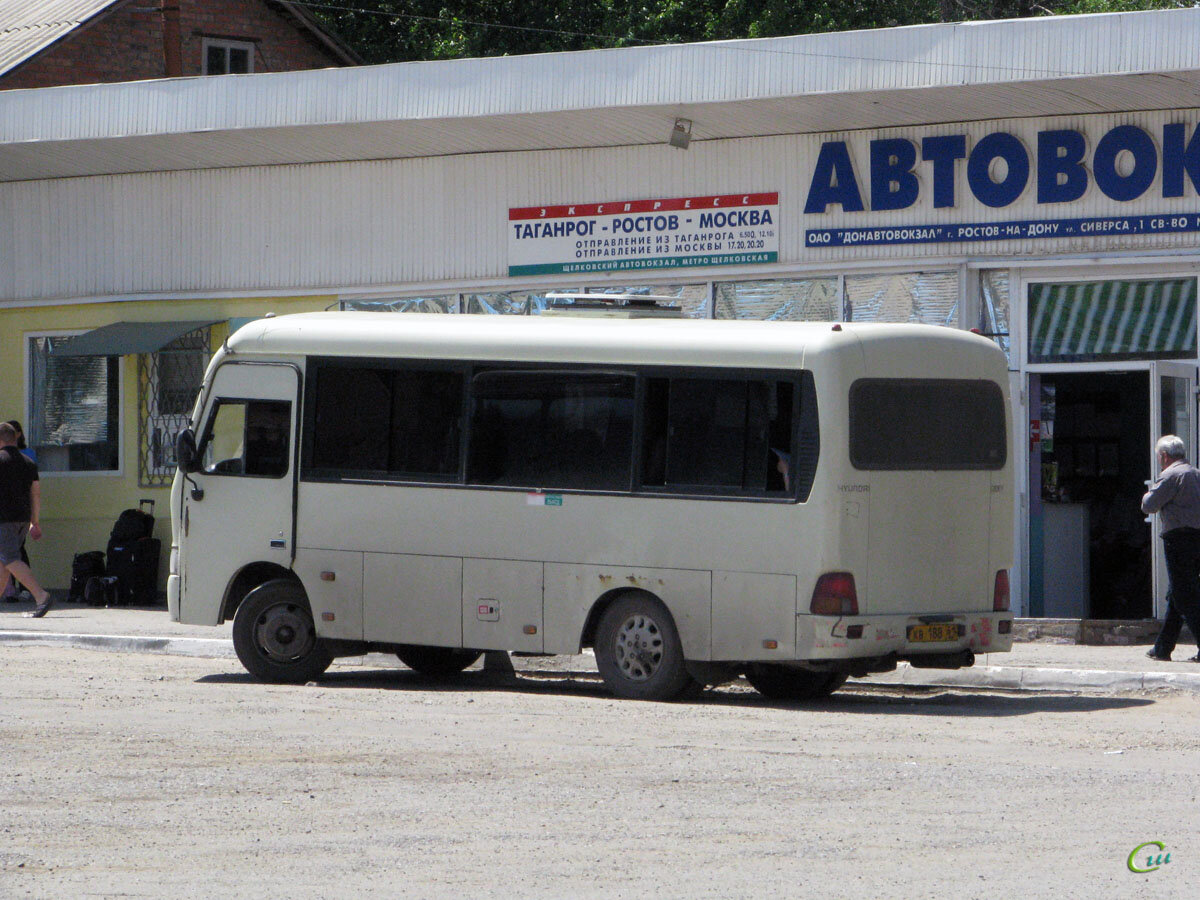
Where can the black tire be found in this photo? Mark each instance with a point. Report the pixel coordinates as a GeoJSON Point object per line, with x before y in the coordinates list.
{"type": "Point", "coordinates": [436, 662]}
{"type": "Point", "coordinates": [638, 650]}
{"type": "Point", "coordinates": [777, 682]}
{"type": "Point", "coordinates": [274, 635]}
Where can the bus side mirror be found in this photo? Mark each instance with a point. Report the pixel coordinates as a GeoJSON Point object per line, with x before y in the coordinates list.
{"type": "Point", "coordinates": [185, 451]}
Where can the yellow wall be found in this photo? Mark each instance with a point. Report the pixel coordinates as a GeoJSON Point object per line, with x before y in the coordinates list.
{"type": "Point", "coordinates": [78, 510]}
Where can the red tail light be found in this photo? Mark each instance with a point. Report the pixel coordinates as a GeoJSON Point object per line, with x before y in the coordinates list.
{"type": "Point", "coordinates": [1000, 593]}
{"type": "Point", "coordinates": [835, 595]}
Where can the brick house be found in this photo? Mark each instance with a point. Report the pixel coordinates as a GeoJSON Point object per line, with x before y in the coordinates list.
{"type": "Point", "coordinates": [44, 43]}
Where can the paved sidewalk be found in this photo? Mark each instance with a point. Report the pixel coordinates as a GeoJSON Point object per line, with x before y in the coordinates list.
{"type": "Point", "coordinates": [1030, 666]}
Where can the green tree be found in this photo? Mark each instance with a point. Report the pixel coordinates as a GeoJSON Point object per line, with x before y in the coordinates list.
{"type": "Point", "coordinates": [393, 31]}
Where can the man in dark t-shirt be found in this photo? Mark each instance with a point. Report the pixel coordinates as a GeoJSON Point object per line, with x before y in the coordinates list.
{"type": "Point", "coordinates": [20, 508]}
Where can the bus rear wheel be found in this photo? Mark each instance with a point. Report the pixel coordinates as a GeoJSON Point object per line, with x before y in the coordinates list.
{"type": "Point", "coordinates": [777, 682]}
{"type": "Point", "coordinates": [436, 662]}
{"type": "Point", "coordinates": [274, 635]}
{"type": "Point", "coordinates": [638, 650]}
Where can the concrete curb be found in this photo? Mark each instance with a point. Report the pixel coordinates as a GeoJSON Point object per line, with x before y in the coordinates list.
{"type": "Point", "coordinates": [214, 648]}
{"type": "Point", "coordinates": [1019, 678]}
{"type": "Point", "coordinates": [1002, 677]}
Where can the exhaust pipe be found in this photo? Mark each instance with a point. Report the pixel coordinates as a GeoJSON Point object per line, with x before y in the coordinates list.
{"type": "Point", "coordinates": [961, 660]}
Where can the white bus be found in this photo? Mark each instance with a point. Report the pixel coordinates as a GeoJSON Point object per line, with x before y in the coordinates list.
{"type": "Point", "coordinates": [797, 502]}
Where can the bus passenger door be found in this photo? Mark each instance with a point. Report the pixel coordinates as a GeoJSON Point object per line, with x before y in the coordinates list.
{"type": "Point", "coordinates": [240, 509]}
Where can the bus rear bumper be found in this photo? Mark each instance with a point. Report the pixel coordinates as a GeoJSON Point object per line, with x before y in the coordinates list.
{"type": "Point", "coordinates": [928, 641]}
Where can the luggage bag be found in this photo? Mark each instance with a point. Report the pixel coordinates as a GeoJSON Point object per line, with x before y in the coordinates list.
{"type": "Point", "coordinates": [133, 556]}
{"type": "Point", "coordinates": [100, 590]}
{"type": "Point", "coordinates": [84, 566]}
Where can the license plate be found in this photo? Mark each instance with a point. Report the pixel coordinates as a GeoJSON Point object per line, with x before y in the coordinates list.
{"type": "Point", "coordinates": [932, 634]}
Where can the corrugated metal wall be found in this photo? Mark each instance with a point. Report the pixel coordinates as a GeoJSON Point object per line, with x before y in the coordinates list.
{"type": "Point", "coordinates": [407, 222]}
{"type": "Point", "coordinates": [984, 54]}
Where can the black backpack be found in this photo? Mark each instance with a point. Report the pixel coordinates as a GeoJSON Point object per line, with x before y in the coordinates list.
{"type": "Point", "coordinates": [84, 566]}
{"type": "Point", "coordinates": [132, 525]}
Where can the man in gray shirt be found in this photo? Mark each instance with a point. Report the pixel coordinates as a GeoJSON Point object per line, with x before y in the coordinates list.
{"type": "Point", "coordinates": [1175, 496]}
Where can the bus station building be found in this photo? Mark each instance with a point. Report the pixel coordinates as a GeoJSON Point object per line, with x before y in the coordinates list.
{"type": "Point", "coordinates": [1037, 180]}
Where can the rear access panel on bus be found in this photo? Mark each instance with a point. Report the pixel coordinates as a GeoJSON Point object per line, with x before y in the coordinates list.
{"type": "Point", "coordinates": [753, 616]}
{"type": "Point", "coordinates": [410, 599]}
{"type": "Point", "coordinates": [502, 605]}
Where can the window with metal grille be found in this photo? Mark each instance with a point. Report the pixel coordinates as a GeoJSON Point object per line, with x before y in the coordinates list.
{"type": "Point", "coordinates": [167, 384]}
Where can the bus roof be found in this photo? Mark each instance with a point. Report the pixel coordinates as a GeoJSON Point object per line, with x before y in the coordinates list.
{"type": "Point", "coordinates": [690, 342]}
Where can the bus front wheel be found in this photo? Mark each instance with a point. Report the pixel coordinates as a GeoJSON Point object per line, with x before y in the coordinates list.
{"type": "Point", "coordinates": [436, 662]}
{"type": "Point", "coordinates": [638, 650]}
{"type": "Point", "coordinates": [777, 682]}
{"type": "Point", "coordinates": [274, 635]}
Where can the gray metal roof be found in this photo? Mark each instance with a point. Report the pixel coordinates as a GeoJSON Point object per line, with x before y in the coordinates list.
{"type": "Point", "coordinates": [30, 26]}
{"type": "Point", "coordinates": [1048, 66]}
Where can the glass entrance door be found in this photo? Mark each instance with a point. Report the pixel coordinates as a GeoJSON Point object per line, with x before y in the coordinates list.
{"type": "Point", "coordinates": [1173, 411]}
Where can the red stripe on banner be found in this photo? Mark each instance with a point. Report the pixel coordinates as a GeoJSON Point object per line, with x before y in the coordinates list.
{"type": "Point", "coordinates": [627, 207]}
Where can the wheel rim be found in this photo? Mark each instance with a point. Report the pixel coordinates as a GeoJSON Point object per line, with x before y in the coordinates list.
{"type": "Point", "coordinates": [638, 648]}
{"type": "Point", "coordinates": [284, 633]}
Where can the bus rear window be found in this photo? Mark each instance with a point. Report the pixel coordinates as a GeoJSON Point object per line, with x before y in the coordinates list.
{"type": "Point", "coordinates": [930, 424]}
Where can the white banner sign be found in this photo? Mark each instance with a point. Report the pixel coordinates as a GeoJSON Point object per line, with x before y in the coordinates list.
{"type": "Point", "coordinates": [668, 233]}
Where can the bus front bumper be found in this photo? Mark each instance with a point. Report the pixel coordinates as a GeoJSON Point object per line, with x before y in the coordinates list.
{"type": "Point", "coordinates": [936, 640]}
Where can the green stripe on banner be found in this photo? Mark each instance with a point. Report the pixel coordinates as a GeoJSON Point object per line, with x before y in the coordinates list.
{"type": "Point", "coordinates": [1089, 320]}
{"type": "Point", "coordinates": [661, 262]}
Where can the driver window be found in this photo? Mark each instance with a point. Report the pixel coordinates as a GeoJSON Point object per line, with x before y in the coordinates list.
{"type": "Point", "coordinates": [248, 437]}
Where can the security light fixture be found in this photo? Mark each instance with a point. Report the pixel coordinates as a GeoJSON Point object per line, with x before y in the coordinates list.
{"type": "Point", "coordinates": [681, 134]}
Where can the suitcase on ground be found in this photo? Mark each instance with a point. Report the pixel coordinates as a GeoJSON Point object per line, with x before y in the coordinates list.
{"type": "Point", "coordinates": [84, 566]}
{"type": "Point", "coordinates": [135, 567]}
{"type": "Point", "coordinates": [132, 556]}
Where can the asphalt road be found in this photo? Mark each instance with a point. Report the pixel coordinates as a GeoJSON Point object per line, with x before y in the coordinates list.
{"type": "Point", "coordinates": [132, 775]}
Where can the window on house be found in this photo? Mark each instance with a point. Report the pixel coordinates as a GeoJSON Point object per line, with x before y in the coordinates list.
{"type": "Point", "coordinates": [74, 408]}
{"type": "Point", "coordinates": [167, 385]}
{"type": "Point", "coordinates": [228, 57]}
{"type": "Point", "coordinates": [795, 300]}
{"type": "Point", "coordinates": [927, 297]}
{"type": "Point", "coordinates": [994, 305]}
{"type": "Point", "coordinates": [447, 303]}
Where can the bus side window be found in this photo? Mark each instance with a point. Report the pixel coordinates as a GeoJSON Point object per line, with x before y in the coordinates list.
{"type": "Point", "coordinates": [552, 429]}
{"type": "Point", "coordinates": [704, 434]}
{"type": "Point", "coordinates": [248, 437]}
{"type": "Point", "coordinates": [268, 429]}
{"type": "Point", "coordinates": [779, 437]}
{"type": "Point", "coordinates": [385, 421]}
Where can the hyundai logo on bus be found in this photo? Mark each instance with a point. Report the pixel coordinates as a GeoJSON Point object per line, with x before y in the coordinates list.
{"type": "Point", "coordinates": [1123, 165]}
